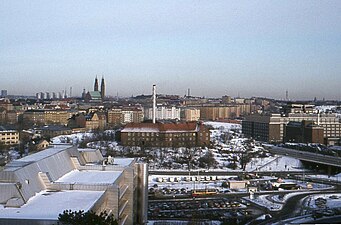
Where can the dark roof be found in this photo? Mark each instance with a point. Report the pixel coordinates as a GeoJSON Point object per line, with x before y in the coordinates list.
{"type": "Point", "coordinates": [54, 128]}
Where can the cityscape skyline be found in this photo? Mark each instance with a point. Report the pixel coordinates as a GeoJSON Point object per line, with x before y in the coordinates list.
{"type": "Point", "coordinates": [260, 48]}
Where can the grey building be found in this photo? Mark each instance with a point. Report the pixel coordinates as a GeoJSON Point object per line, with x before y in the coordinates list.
{"type": "Point", "coordinates": [37, 188]}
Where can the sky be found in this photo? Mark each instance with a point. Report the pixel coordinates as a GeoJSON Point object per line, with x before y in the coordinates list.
{"type": "Point", "coordinates": [215, 48]}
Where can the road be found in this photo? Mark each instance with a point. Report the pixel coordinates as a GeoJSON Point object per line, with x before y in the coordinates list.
{"type": "Point", "coordinates": [307, 156]}
{"type": "Point", "coordinates": [224, 173]}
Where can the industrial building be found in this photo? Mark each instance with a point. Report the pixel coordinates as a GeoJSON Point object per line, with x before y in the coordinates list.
{"type": "Point", "coordinates": [37, 188]}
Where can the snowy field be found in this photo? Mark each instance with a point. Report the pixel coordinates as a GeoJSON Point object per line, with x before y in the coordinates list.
{"type": "Point", "coordinates": [229, 151]}
{"type": "Point", "coordinates": [229, 147]}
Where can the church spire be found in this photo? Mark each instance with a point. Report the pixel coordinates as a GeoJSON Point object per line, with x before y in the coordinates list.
{"type": "Point", "coordinates": [103, 88]}
{"type": "Point", "coordinates": [96, 84]}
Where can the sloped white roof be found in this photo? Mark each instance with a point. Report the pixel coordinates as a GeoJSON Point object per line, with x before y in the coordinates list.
{"type": "Point", "coordinates": [48, 205]}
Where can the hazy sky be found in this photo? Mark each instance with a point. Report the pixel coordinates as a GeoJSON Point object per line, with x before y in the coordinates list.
{"type": "Point", "coordinates": [255, 48]}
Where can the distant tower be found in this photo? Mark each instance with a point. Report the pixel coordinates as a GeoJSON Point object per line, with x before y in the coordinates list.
{"type": "Point", "coordinates": [102, 88]}
{"type": "Point", "coordinates": [84, 93]}
{"type": "Point", "coordinates": [286, 95]}
{"type": "Point", "coordinates": [96, 84]}
{"type": "Point", "coordinates": [154, 103]}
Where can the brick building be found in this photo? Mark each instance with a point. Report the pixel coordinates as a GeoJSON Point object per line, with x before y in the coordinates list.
{"type": "Point", "coordinates": [304, 132]}
{"type": "Point", "coordinates": [189, 134]}
{"type": "Point", "coordinates": [121, 116]}
{"type": "Point", "coordinates": [271, 128]}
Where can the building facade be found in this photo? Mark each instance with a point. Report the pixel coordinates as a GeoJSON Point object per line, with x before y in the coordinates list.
{"type": "Point", "coordinates": [304, 132]}
{"type": "Point", "coordinates": [122, 116]}
{"type": "Point", "coordinates": [163, 113]}
{"type": "Point", "coordinates": [190, 114]}
{"type": "Point", "coordinates": [41, 117]}
{"type": "Point", "coordinates": [8, 136]}
{"type": "Point", "coordinates": [189, 134]}
{"type": "Point", "coordinates": [271, 128]}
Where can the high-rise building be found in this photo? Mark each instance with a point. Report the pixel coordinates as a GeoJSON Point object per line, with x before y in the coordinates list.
{"type": "Point", "coordinates": [3, 93]}
{"type": "Point", "coordinates": [103, 88]}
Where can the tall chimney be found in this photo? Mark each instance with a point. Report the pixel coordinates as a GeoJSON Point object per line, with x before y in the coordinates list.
{"type": "Point", "coordinates": [154, 103]}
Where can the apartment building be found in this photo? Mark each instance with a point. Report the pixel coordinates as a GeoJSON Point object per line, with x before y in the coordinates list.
{"type": "Point", "coordinates": [224, 112]}
{"type": "Point", "coordinates": [163, 113]}
{"type": "Point", "coordinates": [36, 189]}
{"type": "Point", "coordinates": [37, 116]}
{"type": "Point", "coordinates": [9, 136]}
{"type": "Point", "coordinates": [190, 114]}
{"type": "Point", "coordinates": [121, 116]}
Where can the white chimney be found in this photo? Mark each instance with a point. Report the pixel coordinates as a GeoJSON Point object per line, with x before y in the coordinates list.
{"type": "Point", "coordinates": [154, 103]}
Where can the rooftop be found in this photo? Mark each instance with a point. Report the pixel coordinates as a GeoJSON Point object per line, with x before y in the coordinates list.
{"type": "Point", "coordinates": [161, 127]}
{"type": "Point", "coordinates": [90, 177]}
{"type": "Point", "coordinates": [36, 157]}
{"type": "Point", "coordinates": [40, 207]}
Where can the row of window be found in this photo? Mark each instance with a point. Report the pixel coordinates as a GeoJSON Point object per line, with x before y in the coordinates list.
{"type": "Point", "coordinates": [143, 134]}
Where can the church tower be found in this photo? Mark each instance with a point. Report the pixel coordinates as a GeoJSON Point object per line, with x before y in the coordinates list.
{"type": "Point", "coordinates": [96, 84]}
{"type": "Point", "coordinates": [102, 88]}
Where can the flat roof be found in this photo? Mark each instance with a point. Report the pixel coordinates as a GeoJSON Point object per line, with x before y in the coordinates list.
{"type": "Point", "coordinates": [48, 205]}
{"type": "Point", "coordinates": [123, 161]}
{"type": "Point", "coordinates": [90, 177]}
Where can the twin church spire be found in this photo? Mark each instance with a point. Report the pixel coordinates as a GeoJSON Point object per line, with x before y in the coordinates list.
{"type": "Point", "coordinates": [102, 86]}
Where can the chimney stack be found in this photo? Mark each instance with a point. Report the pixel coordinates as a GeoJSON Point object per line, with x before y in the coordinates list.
{"type": "Point", "coordinates": [154, 103]}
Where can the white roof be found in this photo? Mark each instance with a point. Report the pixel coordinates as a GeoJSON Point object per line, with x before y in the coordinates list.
{"type": "Point", "coordinates": [90, 177]}
{"type": "Point", "coordinates": [44, 154]}
{"type": "Point", "coordinates": [27, 160]}
{"type": "Point", "coordinates": [48, 205]}
{"type": "Point", "coordinates": [123, 161]}
{"type": "Point", "coordinates": [140, 129]}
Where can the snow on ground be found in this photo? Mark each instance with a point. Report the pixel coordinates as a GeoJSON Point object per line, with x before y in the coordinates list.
{"type": "Point", "coordinates": [72, 138]}
{"type": "Point", "coordinates": [325, 108]}
{"type": "Point", "coordinates": [282, 163]}
{"type": "Point", "coordinates": [223, 126]}
{"type": "Point", "coordinates": [332, 201]}
{"type": "Point", "coordinates": [188, 182]}
{"type": "Point", "coordinates": [336, 177]}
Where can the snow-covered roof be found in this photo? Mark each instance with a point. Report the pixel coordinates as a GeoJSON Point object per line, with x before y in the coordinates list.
{"type": "Point", "coordinates": [162, 127]}
{"type": "Point", "coordinates": [90, 177]}
{"type": "Point", "coordinates": [123, 161]}
{"type": "Point", "coordinates": [37, 156]}
{"type": "Point", "coordinates": [48, 205]}
{"type": "Point", "coordinates": [141, 129]}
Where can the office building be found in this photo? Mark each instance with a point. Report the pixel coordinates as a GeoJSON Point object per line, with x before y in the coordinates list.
{"type": "Point", "coordinates": [271, 128]}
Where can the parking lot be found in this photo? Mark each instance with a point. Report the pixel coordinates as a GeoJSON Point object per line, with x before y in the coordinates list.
{"type": "Point", "coordinates": [213, 208]}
